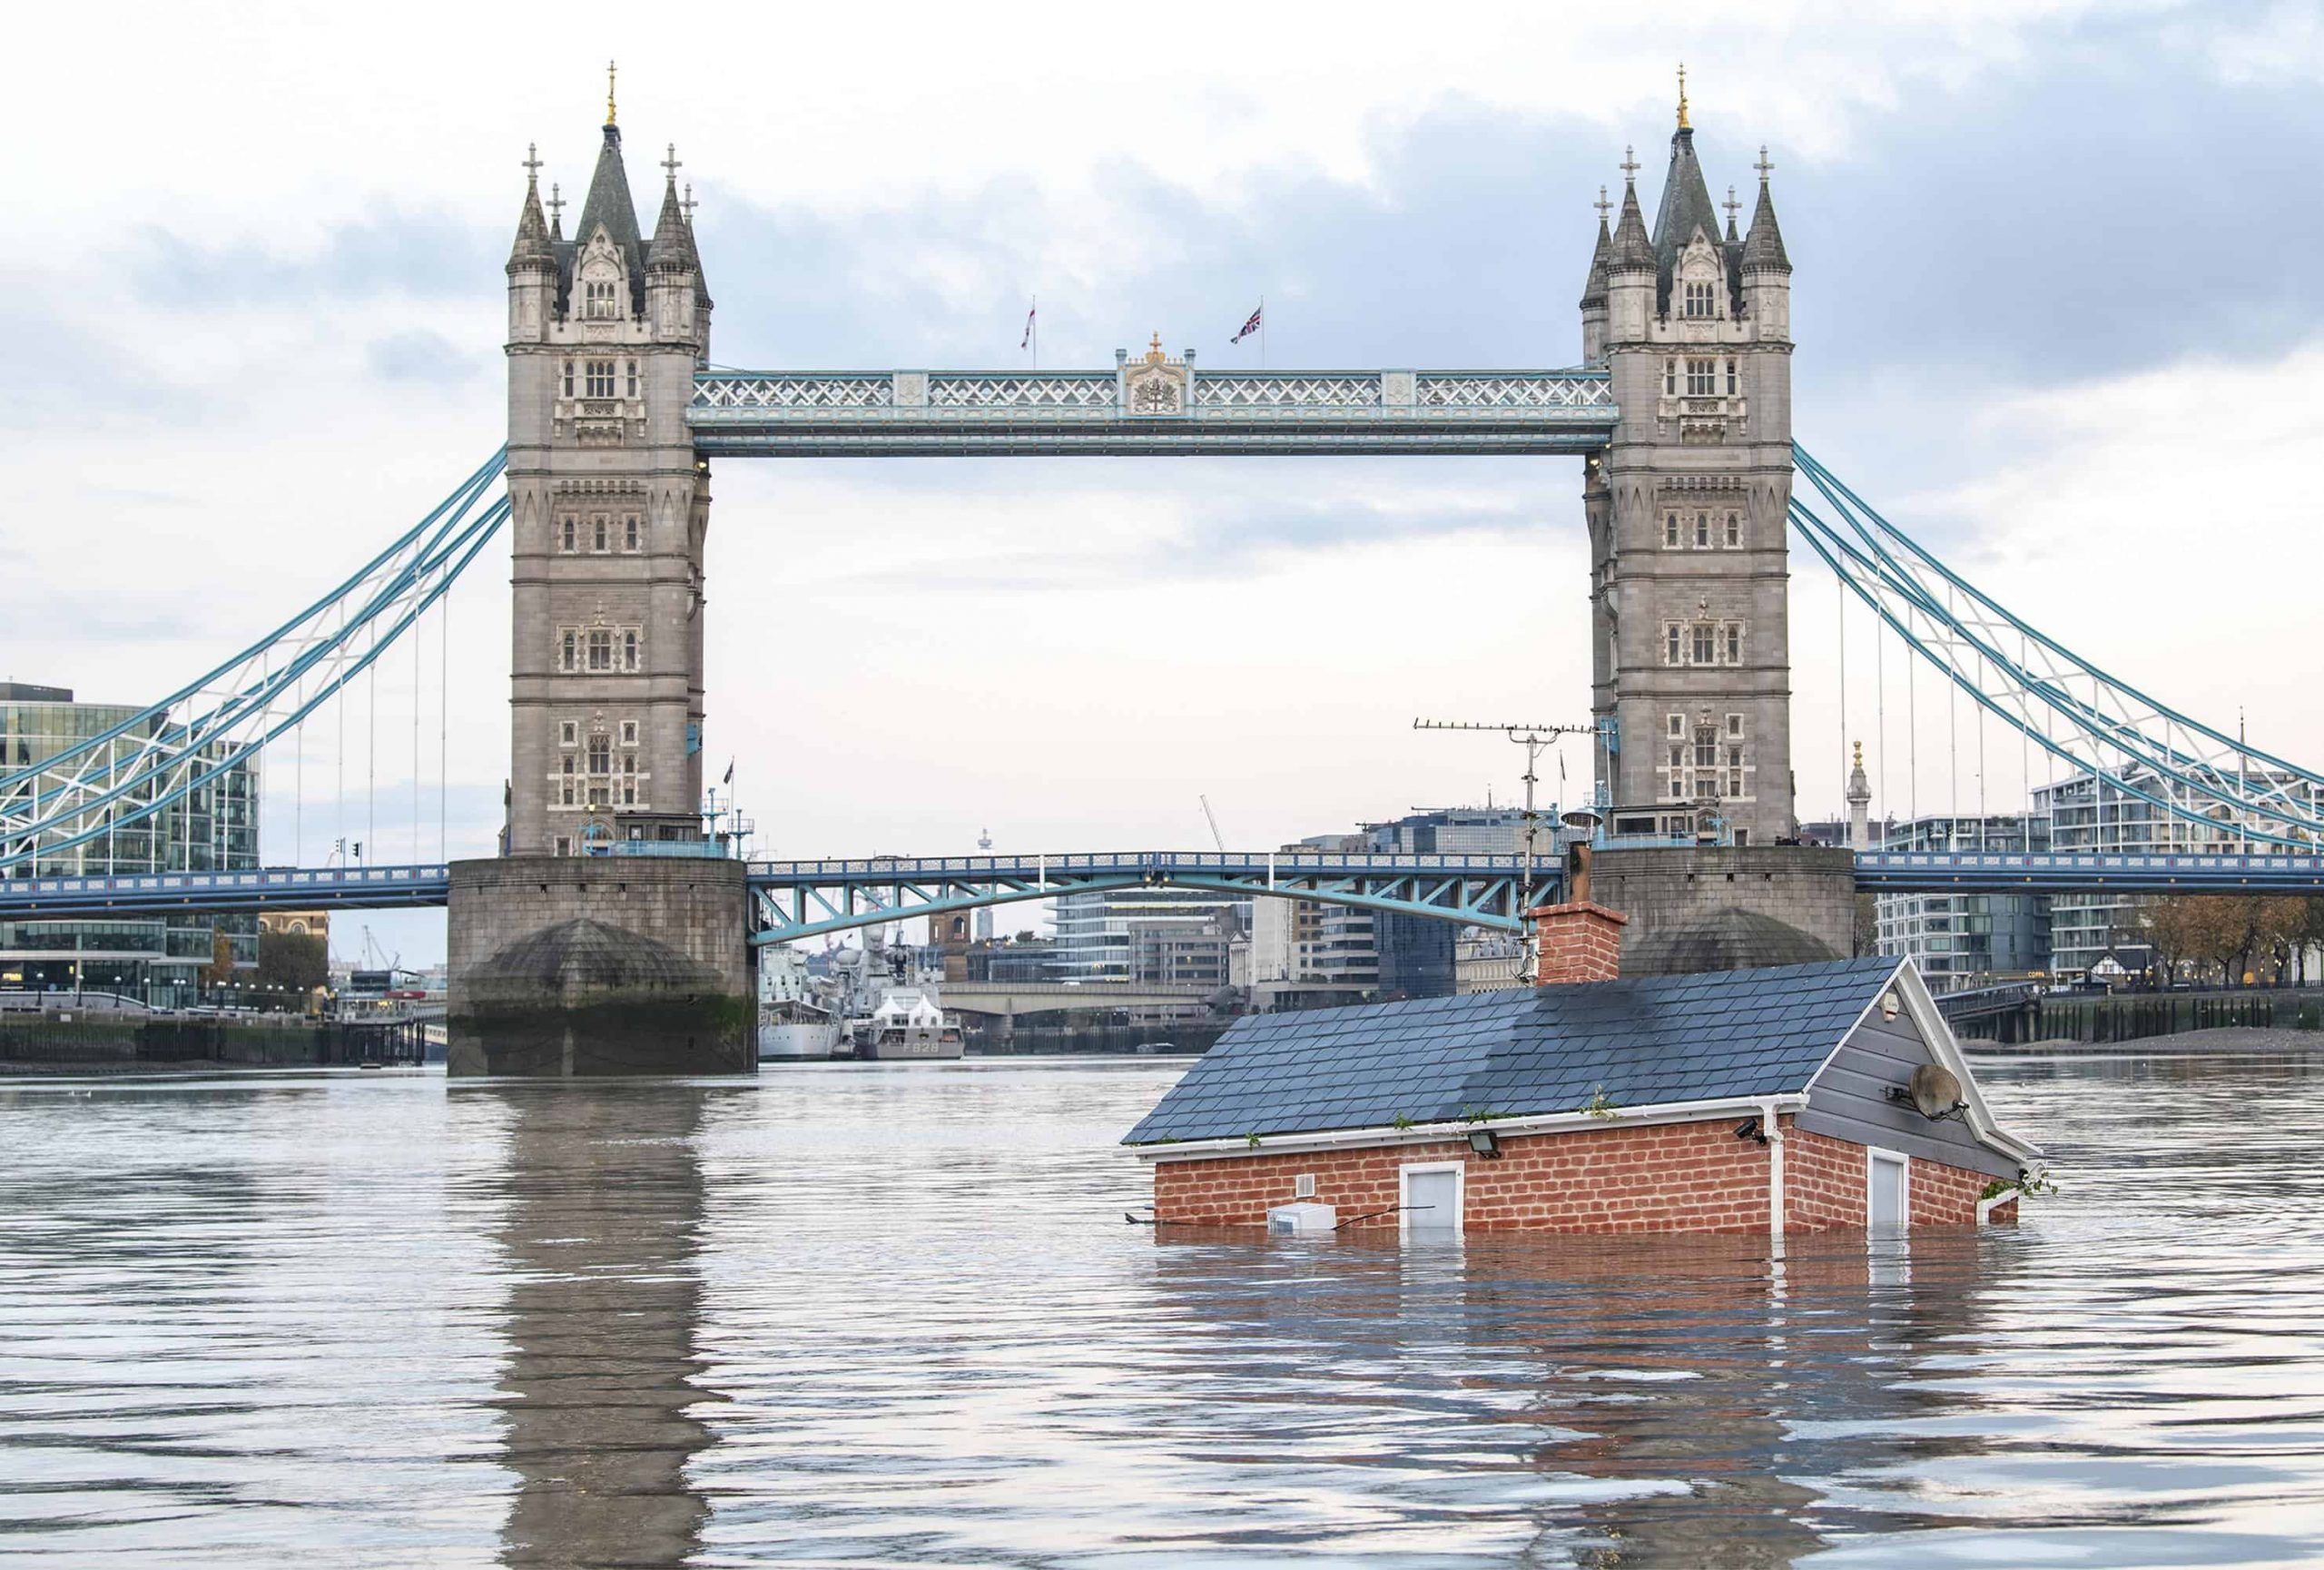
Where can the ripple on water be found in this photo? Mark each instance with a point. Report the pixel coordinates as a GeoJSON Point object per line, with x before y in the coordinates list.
{"type": "Point", "coordinates": [878, 1317]}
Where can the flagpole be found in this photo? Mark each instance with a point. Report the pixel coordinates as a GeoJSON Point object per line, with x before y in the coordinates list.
{"type": "Point", "coordinates": [1036, 334]}
{"type": "Point", "coordinates": [1263, 332]}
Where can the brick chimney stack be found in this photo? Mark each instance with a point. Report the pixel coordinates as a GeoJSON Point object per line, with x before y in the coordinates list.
{"type": "Point", "coordinates": [1580, 939]}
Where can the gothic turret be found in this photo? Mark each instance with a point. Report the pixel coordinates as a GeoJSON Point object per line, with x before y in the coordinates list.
{"type": "Point", "coordinates": [672, 270]}
{"type": "Point", "coordinates": [1594, 290]}
{"type": "Point", "coordinates": [1767, 269]}
{"type": "Point", "coordinates": [1629, 271]}
{"type": "Point", "coordinates": [532, 265]}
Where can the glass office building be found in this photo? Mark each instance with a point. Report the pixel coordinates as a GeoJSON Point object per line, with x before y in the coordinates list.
{"type": "Point", "coordinates": [214, 828]}
{"type": "Point", "coordinates": [1104, 935]}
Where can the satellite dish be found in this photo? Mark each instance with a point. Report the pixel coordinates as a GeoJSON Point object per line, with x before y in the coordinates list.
{"type": "Point", "coordinates": [1579, 819]}
{"type": "Point", "coordinates": [1935, 1091]}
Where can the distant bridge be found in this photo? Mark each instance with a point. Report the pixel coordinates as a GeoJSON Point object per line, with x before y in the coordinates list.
{"type": "Point", "coordinates": [794, 900]}
{"type": "Point", "coordinates": [1013, 998]}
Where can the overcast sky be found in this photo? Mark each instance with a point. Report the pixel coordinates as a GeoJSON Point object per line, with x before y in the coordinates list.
{"type": "Point", "coordinates": [2058, 303]}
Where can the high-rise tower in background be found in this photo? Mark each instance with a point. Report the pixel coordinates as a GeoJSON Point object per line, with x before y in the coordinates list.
{"type": "Point", "coordinates": [605, 331]}
{"type": "Point", "coordinates": [1687, 512]}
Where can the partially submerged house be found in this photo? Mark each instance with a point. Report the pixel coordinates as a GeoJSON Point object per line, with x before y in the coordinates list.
{"type": "Point", "coordinates": [1798, 1098]}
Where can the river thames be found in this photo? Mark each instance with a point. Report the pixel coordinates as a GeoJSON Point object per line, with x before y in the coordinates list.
{"type": "Point", "coordinates": [858, 1316]}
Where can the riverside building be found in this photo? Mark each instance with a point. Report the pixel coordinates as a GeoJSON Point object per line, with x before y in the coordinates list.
{"type": "Point", "coordinates": [2089, 813]}
{"type": "Point", "coordinates": [214, 828]}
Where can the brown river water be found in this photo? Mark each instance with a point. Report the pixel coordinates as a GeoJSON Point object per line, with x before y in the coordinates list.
{"type": "Point", "coordinates": [893, 1316]}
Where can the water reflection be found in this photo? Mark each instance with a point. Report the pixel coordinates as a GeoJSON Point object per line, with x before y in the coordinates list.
{"type": "Point", "coordinates": [604, 1207]}
{"type": "Point", "coordinates": [866, 1317]}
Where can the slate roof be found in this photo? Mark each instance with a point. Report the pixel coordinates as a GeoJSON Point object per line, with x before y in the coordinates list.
{"type": "Point", "coordinates": [608, 202]}
{"type": "Point", "coordinates": [1685, 207]}
{"type": "Point", "coordinates": [1639, 1042]}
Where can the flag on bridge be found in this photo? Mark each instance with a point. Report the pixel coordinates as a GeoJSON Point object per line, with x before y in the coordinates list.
{"type": "Point", "coordinates": [1027, 341]}
{"type": "Point", "coordinates": [1251, 326]}
{"type": "Point", "coordinates": [730, 773]}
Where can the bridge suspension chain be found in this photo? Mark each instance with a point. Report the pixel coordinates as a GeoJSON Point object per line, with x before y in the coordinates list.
{"type": "Point", "coordinates": [2081, 716]}
{"type": "Point", "coordinates": [170, 749]}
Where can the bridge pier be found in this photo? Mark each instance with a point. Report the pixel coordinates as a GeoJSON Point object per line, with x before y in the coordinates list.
{"type": "Point", "coordinates": [575, 966]}
{"type": "Point", "coordinates": [1720, 907]}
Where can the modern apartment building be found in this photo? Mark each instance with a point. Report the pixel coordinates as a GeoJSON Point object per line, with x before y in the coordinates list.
{"type": "Point", "coordinates": [1959, 940]}
{"type": "Point", "coordinates": [2089, 813]}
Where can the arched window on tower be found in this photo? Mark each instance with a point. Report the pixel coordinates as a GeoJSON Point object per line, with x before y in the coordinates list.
{"type": "Point", "coordinates": [597, 295]}
{"type": "Point", "coordinates": [601, 755]}
{"type": "Point", "coordinates": [629, 648]}
{"type": "Point", "coordinates": [1702, 303]}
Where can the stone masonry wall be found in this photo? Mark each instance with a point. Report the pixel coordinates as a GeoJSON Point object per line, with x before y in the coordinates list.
{"type": "Point", "coordinates": [693, 905]}
{"type": "Point", "coordinates": [1691, 1176]}
{"type": "Point", "coordinates": [1804, 887]}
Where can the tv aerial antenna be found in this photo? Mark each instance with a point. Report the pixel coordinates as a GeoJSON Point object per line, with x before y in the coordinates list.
{"type": "Point", "coordinates": [1535, 739]}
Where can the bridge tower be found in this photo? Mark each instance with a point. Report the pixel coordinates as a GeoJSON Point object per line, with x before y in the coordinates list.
{"type": "Point", "coordinates": [562, 963]}
{"type": "Point", "coordinates": [610, 507]}
{"type": "Point", "coordinates": [1686, 512]}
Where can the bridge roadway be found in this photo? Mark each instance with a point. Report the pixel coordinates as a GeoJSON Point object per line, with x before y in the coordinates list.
{"type": "Point", "coordinates": [802, 899]}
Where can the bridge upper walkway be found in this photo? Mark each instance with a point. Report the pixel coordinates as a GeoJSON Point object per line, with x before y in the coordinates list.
{"type": "Point", "coordinates": [925, 414]}
{"type": "Point", "coordinates": [804, 898]}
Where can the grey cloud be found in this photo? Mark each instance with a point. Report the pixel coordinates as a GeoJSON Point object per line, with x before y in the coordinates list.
{"type": "Point", "coordinates": [420, 356]}
{"type": "Point", "coordinates": [425, 254]}
{"type": "Point", "coordinates": [57, 374]}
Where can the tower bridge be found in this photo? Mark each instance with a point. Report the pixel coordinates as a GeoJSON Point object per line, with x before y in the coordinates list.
{"type": "Point", "coordinates": [1679, 407]}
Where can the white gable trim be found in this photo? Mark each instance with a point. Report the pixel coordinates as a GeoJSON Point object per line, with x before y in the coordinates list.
{"type": "Point", "coordinates": [1435, 1133]}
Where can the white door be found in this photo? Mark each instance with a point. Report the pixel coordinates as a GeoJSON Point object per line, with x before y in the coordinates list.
{"type": "Point", "coordinates": [1432, 1201]}
{"type": "Point", "coordinates": [1886, 1208]}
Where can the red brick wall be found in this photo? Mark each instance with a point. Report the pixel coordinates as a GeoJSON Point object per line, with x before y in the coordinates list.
{"type": "Point", "coordinates": [1824, 1183]}
{"type": "Point", "coordinates": [1663, 1177]}
{"type": "Point", "coordinates": [1667, 1177]}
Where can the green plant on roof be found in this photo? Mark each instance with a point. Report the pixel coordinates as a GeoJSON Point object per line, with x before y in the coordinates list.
{"type": "Point", "coordinates": [1403, 1119]}
{"type": "Point", "coordinates": [1600, 1104]}
{"type": "Point", "coordinates": [1252, 1139]}
{"type": "Point", "coordinates": [1479, 1114]}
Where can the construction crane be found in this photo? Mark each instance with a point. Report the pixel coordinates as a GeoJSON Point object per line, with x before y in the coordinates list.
{"type": "Point", "coordinates": [1534, 738]}
{"type": "Point", "coordinates": [1215, 838]}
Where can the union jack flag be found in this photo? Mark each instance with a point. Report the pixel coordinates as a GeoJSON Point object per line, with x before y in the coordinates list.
{"type": "Point", "coordinates": [1249, 327]}
{"type": "Point", "coordinates": [1028, 326]}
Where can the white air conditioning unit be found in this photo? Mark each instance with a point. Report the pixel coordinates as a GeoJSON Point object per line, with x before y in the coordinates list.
{"type": "Point", "coordinates": [1302, 1219]}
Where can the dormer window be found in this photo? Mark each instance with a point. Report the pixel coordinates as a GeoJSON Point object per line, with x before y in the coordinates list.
{"type": "Point", "coordinates": [1702, 303]}
{"type": "Point", "coordinates": [598, 299]}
